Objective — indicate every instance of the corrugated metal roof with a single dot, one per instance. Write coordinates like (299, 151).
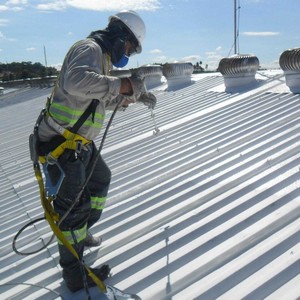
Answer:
(207, 208)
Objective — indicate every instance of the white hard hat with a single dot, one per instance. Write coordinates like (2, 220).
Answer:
(134, 23)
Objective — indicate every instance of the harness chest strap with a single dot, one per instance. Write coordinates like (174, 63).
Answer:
(73, 141)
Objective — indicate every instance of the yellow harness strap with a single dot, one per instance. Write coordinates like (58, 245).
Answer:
(52, 217)
(73, 141)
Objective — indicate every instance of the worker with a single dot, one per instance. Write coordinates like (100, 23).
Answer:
(85, 77)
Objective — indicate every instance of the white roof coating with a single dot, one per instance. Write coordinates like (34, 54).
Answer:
(208, 208)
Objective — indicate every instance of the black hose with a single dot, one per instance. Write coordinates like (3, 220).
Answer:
(21, 230)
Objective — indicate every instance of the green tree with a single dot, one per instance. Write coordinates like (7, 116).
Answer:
(23, 70)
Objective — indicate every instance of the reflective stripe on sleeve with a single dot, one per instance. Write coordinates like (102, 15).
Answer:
(98, 202)
(80, 234)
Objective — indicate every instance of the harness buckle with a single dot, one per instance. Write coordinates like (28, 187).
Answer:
(52, 188)
(50, 159)
(79, 147)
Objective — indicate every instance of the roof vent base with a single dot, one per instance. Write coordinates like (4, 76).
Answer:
(292, 79)
(238, 83)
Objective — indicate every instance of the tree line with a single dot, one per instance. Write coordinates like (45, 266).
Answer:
(24, 70)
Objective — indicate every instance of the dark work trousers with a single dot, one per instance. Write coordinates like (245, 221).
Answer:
(89, 208)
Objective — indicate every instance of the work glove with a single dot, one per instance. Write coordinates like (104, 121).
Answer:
(138, 86)
(147, 99)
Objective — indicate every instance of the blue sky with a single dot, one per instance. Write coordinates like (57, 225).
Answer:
(177, 30)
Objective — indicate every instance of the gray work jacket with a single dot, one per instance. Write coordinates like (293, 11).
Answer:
(84, 76)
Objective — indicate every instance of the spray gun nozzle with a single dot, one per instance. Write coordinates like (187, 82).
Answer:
(156, 129)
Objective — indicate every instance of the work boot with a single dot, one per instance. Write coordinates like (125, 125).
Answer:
(76, 284)
(92, 241)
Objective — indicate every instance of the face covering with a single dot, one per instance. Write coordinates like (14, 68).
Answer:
(123, 61)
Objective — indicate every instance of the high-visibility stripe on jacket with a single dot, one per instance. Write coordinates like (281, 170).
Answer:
(84, 76)
(63, 113)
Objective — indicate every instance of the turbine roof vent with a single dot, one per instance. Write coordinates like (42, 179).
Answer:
(148, 70)
(151, 73)
(178, 75)
(239, 64)
(289, 62)
(239, 72)
(171, 70)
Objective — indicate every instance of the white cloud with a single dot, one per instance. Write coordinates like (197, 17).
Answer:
(155, 51)
(56, 66)
(191, 58)
(110, 5)
(3, 7)
(260, 33)
(4, 22)
(97, 5)
(212, 58)
(4, 38)
(14, 5)
(54, 5)
(159, 59)
(17, 8)
(16, 2)
(114, 4)
(30, 49)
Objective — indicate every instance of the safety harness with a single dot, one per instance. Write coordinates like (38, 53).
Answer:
(67, 139)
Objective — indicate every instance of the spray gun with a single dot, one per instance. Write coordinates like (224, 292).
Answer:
(140, 73)
(156, 129)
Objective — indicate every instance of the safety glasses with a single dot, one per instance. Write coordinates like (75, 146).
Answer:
(133, 47)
